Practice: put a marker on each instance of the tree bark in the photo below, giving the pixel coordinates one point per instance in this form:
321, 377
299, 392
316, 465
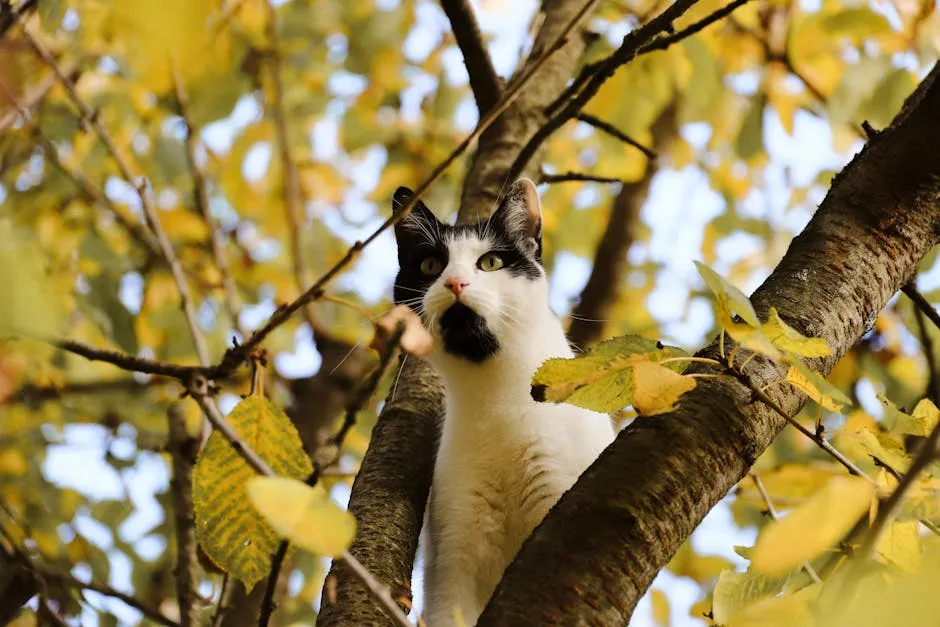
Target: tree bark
610, 535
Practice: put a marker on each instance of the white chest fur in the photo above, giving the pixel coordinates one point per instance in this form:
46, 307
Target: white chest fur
503, 462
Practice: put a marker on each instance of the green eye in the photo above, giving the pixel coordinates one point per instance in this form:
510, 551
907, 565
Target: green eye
490, 262
431, 266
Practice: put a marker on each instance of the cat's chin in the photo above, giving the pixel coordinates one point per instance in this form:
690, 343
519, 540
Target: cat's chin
465, 334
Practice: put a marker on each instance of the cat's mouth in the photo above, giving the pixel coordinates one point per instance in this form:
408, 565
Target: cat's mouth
466, 334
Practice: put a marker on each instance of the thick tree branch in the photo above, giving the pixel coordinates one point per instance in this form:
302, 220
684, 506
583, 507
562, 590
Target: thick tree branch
182, 450
610, 258
483, 79
607, 538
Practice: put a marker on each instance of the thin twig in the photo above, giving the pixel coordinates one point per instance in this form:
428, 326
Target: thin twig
130, 362
358, 401
73, 582
379, 591
225, 594
182, 450
933, 527
576, 176
661, 43
910, 290
888, 509
594, 76
773, 514
32, 99
199, 390
201, 202
615, 132
293, 201
484, 81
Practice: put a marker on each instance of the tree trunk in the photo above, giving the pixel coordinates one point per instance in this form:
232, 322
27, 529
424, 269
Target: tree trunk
610, 535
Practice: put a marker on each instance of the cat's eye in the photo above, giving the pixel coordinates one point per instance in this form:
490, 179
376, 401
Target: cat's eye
431, 266
490, 262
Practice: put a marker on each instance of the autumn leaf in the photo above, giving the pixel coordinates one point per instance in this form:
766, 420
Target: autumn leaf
816, 387
302, 514
738, 302
229, 529
813, 527
605, 379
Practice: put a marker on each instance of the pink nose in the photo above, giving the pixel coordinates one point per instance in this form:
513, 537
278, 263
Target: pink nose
455, 285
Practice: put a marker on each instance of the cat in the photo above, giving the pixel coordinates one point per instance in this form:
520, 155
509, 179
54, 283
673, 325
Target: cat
503, 459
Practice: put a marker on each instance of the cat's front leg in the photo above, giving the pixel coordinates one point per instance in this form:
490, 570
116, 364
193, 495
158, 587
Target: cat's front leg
449, 588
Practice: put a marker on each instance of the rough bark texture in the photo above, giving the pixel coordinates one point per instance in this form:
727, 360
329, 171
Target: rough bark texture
610, 258
390, 492
388, 498
610, 535
500, 144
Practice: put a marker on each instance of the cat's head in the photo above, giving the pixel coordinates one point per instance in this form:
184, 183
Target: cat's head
475, 286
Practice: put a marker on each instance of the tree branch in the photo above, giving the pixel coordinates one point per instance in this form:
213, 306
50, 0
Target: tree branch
607, 538
568, 177
483, 79
183, 450
610, 257
615, 132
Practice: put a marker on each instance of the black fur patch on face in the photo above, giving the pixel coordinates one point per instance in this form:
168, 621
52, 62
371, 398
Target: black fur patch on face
466, 335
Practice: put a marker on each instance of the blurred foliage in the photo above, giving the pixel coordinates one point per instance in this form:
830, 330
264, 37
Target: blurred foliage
374, 96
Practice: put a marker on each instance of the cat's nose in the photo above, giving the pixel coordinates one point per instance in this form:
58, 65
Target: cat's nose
455, 285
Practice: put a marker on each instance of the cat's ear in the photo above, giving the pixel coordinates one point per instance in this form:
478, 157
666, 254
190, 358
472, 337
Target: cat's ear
420, 222
520, 213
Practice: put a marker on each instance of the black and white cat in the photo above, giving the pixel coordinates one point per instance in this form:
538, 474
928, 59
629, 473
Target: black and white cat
503, 459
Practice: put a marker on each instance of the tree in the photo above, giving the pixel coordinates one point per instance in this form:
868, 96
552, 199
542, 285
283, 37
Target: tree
178, 172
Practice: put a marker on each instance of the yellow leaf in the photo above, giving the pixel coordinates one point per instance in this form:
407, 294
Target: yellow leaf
790, 610
302, 514
813, 527
816, 388
184, 225
161, 33
660, 607
921, 422
656, 389
229, 529
899, 544
736, 299
12, 463
736, 591
789, 340
601, 379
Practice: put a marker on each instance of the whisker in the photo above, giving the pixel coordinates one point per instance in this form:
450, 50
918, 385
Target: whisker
336, 367
398, 376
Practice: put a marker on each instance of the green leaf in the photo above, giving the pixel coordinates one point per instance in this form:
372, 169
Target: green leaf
921, 422
751, 137
857, 24
888, 97
603, 379
304, 515
736, 591
27, 307
739, 303
229, 529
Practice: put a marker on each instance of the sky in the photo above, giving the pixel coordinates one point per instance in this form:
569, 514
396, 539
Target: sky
681, 203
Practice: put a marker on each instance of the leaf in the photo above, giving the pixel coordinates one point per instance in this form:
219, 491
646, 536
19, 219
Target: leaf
230, 530
899, 545
813, 527
817, 388
660, 607
751, 137
735, 591
921, 422
302, 514
739, 303
788, 610
856, 23
602, 379
657, 389
28, 306
789, 340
